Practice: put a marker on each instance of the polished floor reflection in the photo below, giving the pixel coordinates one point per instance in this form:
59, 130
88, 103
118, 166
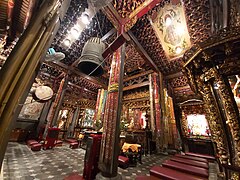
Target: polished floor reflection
21, 163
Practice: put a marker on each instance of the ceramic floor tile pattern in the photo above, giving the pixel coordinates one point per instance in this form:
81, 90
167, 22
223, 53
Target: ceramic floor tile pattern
23, 164
20, 163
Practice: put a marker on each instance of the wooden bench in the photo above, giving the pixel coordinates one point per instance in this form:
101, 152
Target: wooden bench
197, 171
170, 174
190, 162
58, 143
31, 142
73, 145
36, 147
70, 140
123, 161
192, 158
205, 156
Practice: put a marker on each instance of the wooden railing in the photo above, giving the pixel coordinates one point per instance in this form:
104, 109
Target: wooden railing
229, 169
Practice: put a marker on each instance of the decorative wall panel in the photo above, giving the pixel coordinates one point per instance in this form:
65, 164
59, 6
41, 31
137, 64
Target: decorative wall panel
171, 28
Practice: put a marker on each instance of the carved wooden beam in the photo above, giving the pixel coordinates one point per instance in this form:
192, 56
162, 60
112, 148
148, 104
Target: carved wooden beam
60, 76
129, 21
175, 75
111, 32
48, 75
122, 38
73, 97
136, 100
75, 71
146, 83
81, 88
138, 75
181, 88
142, 51
139, 12
113, 15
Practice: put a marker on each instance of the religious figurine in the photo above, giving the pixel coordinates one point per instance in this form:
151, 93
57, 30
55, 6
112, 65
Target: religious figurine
131, 124
146, 119
62, 123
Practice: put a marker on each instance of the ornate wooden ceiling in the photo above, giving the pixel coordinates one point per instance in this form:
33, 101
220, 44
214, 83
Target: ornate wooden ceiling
133, 61
98, 27
135, 14
125, 7
199, 29
14, 17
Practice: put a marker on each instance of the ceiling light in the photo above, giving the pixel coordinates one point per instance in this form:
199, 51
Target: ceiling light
179, 30
75, 32
85, 18
178, 50
168, 21
67, 42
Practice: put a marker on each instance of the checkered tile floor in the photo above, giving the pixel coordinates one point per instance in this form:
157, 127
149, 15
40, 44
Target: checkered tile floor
21, 163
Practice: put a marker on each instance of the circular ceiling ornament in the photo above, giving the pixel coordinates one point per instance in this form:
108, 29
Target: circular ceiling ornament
43, 93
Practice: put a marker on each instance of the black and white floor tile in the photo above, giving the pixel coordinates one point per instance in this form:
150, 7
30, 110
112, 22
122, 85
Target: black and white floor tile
20, 163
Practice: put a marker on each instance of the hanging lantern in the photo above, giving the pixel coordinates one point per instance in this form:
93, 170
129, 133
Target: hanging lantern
91, 61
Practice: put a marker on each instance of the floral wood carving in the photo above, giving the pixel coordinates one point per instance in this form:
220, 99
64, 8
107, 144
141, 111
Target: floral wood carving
126, 7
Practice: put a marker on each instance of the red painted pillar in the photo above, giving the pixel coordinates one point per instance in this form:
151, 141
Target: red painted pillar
97, 105
108, 161
103, 105
58, 100
158, 128
56, 105
136, 117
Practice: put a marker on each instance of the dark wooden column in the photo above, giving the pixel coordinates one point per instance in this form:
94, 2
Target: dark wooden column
15, 75
162, 110
158, 129
108, 162
43, 116
152, 114
70, 132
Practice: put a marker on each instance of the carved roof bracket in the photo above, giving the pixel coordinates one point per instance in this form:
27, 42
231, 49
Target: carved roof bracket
220, 52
